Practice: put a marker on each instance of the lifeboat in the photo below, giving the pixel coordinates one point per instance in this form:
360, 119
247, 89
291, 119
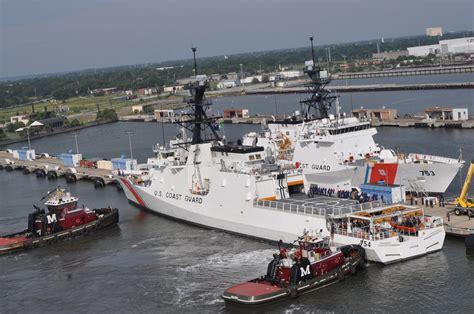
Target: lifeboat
403, 228
311, 266
62, 220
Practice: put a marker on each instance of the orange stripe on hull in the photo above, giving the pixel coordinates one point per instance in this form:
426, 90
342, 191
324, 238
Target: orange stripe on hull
299, 182
270, 198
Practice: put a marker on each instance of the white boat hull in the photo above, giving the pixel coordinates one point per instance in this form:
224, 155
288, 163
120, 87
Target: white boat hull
428, 178
391, 250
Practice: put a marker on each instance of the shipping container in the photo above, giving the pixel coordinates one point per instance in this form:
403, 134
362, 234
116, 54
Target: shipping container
104, 164
87, 164
70, 160
124, 164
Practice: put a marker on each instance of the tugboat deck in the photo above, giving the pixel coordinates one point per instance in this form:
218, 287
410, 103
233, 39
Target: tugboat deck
317, 205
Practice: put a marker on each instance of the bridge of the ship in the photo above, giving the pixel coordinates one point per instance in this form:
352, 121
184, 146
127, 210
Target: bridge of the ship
317, 205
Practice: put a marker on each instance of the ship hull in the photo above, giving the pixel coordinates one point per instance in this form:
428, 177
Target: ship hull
432, 178
233, 215
264, 293
109, 220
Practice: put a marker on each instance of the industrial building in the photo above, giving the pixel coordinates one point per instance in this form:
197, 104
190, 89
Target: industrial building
227, 84
236, 113
250, 79
164, 115
142, 108
434, 31
449, 46
390, 55
453, 114
21, 118
382, 114
173, 89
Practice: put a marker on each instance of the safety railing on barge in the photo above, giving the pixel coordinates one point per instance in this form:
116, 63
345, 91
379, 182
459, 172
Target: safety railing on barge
311, 210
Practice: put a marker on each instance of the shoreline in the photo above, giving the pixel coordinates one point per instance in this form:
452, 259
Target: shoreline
60, 131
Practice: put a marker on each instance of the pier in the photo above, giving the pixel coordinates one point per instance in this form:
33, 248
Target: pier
459, 226
420, 123
407, 72
365, 88
52, 168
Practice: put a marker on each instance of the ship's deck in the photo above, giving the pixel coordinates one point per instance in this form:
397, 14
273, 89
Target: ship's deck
319, 201
317, 205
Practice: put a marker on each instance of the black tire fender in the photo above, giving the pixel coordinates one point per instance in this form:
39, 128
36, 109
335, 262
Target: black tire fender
293, 291
340, 275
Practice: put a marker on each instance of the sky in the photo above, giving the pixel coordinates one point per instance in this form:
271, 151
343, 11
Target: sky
48, 36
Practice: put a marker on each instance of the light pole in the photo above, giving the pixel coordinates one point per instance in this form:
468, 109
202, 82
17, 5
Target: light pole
27, 128
28, 135
77, 146
129, 133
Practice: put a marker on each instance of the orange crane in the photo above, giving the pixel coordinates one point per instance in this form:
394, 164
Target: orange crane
464, 205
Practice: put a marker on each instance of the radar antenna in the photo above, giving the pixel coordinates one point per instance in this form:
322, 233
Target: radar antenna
197, 121
321, 98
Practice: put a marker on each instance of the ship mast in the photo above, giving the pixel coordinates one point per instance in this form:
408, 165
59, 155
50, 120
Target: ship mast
321, 99
197, 121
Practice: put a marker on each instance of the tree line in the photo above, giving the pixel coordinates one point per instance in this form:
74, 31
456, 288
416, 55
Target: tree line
80, 83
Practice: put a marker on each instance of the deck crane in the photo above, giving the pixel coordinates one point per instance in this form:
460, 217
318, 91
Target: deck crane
463, 204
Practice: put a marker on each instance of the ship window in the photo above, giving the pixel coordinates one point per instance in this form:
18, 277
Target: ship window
258, 156
251, 157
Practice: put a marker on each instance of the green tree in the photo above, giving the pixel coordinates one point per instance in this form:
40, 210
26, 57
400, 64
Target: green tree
107, 115
11, 127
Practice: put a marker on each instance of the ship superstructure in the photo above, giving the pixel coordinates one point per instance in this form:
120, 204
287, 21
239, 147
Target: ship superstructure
339, 152
235, 188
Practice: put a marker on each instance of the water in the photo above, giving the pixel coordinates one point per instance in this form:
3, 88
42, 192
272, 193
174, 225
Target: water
153, 264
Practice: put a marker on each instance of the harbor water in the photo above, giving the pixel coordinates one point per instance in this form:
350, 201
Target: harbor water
153, 264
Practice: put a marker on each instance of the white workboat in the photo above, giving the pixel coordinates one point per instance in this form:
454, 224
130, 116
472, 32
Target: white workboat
390, 233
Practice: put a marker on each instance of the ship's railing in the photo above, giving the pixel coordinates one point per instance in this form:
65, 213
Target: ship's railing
433, 158
290, 207
364, 234
315, 211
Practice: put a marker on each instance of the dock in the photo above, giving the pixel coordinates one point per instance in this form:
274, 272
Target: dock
52, 168
460, 226
364, 88
408, 72
419, 123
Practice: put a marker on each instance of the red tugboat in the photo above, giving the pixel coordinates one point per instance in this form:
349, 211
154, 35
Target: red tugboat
311, 266
63, 220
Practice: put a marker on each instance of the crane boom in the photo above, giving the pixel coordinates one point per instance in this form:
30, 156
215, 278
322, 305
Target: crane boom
462, 200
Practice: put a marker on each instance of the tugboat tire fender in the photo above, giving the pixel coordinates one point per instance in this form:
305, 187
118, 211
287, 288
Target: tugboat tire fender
293, 292
353, 269
340, 275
